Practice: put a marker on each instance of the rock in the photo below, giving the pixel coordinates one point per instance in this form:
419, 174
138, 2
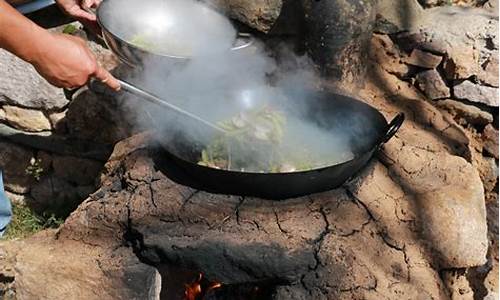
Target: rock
489, 76
104, 56
97, 118
76, 170
466, 44
54, 194
492, 7
77, 271
337, 38
14, 160
458, 285
385, 53
57, 120
45, 160
38, 94
488, 170
420, 40
19, 199
432, 85
490, 138
26, 119
490, 281
2, 114
434, 3
462, 63
397, 16
470, 113
55, 143
424, 59
450, 200
260, 14
290, 293
476, 93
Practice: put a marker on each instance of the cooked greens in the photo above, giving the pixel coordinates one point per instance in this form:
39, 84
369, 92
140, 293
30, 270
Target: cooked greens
168, 47
142, 41
255, 142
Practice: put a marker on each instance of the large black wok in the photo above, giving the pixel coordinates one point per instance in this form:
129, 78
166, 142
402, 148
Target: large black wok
367, 130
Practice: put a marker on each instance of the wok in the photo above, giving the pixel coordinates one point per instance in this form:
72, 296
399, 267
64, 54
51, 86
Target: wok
367, 129
180, 29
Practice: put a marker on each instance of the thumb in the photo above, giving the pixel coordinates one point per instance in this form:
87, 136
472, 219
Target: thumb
105, 77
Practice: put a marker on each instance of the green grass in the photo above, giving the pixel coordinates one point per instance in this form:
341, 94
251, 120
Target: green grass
25, 222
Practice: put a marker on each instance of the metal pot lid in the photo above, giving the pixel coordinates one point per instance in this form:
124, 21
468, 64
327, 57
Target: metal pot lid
170, 27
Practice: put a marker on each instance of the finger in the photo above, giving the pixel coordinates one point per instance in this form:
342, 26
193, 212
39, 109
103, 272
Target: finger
93, 3
87, 4
82, 14
105, 77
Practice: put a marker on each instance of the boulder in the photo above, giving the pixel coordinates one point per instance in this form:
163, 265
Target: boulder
466, 3
432, 85
260, 14
54, 194
476, 93
396, 16
424, 59
38, 94
58, 121
387, 55
466, 44
490, 139
98, 118
450, 200
337, 38
77, 271
26, 119
458, 285
14, 160
488, 170
489, 76
470, 113
80, 171
19, 199
462, 63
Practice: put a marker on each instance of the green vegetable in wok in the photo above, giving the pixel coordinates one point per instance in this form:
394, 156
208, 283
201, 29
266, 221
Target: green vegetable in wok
254, 142
167, 47
143, 42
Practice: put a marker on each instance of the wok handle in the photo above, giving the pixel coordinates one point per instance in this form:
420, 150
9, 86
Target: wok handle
92, 84
394, 126
247, 36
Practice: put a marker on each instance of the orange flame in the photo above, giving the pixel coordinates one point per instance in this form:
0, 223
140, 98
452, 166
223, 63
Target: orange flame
194, 290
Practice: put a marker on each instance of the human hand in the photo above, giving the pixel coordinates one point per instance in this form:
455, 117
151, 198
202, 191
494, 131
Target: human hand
78, 9
66, 61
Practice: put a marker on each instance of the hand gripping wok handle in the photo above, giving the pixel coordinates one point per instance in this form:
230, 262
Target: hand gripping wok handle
394, 127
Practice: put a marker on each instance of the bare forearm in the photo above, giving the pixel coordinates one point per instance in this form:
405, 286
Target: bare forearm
20, 35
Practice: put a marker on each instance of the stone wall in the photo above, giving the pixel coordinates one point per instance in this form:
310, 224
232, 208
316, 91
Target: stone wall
52, 149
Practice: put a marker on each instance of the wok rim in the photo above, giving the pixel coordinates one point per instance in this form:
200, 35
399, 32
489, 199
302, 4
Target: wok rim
149, 52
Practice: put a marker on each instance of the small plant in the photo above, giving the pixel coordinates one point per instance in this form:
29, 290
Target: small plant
26, 222
35, 168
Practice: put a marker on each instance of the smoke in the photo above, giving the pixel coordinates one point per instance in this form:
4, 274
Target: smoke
218, 83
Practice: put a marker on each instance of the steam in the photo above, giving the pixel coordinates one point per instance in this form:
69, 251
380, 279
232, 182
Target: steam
217, 84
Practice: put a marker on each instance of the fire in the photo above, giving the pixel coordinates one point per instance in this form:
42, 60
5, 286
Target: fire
199, 287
